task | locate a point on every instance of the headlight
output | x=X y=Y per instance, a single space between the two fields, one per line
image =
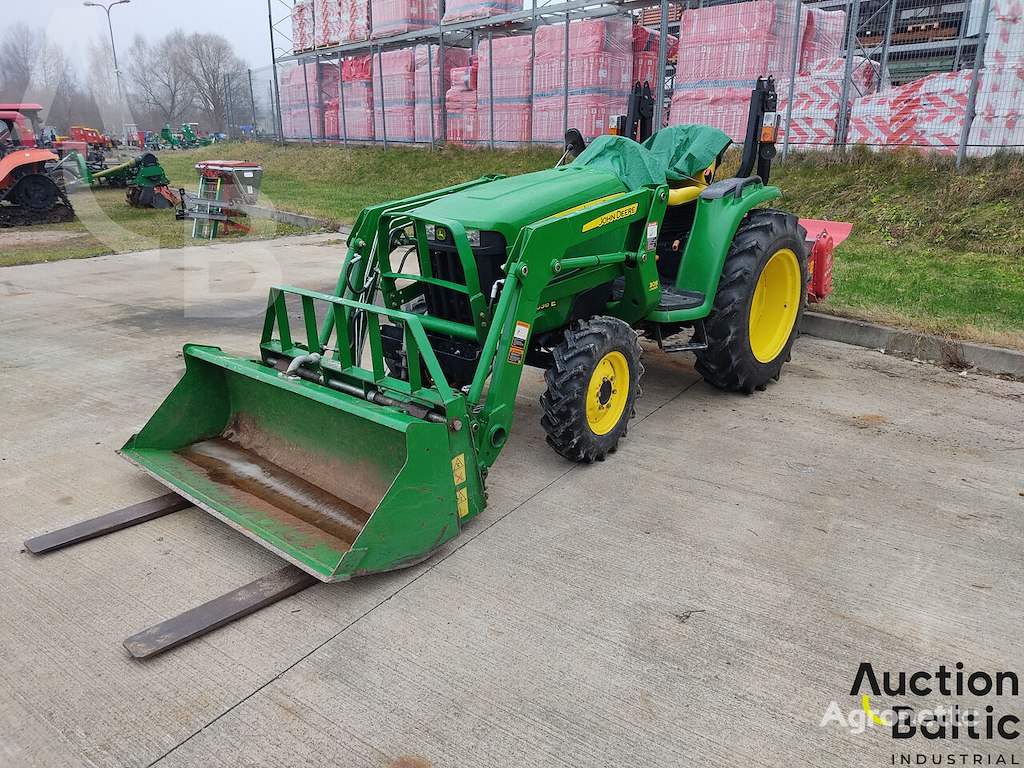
x=430 y=232
x=474 y=237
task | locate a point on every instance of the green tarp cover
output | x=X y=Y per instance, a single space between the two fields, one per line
x=628 y=160
x=672 y=154
x=684 y=151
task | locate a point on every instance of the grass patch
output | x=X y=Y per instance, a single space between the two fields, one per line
x=933 y=248
x=105 y=224
x=336 y=184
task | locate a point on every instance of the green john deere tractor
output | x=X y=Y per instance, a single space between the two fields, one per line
x=360 y=438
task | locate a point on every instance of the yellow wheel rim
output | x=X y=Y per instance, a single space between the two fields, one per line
x=607 y=393
x=776 y=301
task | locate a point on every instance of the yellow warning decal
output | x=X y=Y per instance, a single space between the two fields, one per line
x=517 y=349
x=462 y=496
x=459 y=469
x=610 y=218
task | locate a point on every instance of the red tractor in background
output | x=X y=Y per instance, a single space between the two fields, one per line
x=28 y=194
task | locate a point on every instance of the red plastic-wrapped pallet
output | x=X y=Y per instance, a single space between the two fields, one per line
x=509 y=74
x=353 y=21
x=396 y=17
x=332 y=120
x=1000 y=109
x=395 y=114
x=463 y=10
x=592 y=115
x=600 y=60
x=823 y=38
x=326 y=22
x=724 y=107
x=302 y=25
x=428 y=86
x=645 y=54
x=1005 y=44
x=817 y=97
x=462 y=115
x=303 y=123
x=357 y=99
x=740 y=41
x=926 y=113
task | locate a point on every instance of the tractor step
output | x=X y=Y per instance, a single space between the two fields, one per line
x=108 y=523
x=672 y=298
x=222 y=610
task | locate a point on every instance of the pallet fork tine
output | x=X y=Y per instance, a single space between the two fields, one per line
x=108 y=523
x=193 y=623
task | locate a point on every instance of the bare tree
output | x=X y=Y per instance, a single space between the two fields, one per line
x=160 y=81
x=36 y=70
x=102 y=81
x=208 y=60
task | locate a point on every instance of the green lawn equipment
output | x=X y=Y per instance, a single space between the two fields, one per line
x=360 y=438
x=143 y=178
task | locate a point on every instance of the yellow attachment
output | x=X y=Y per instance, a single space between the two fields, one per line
x=690 y=192
x=607 y=393
x=685 y=194
x=775 y=304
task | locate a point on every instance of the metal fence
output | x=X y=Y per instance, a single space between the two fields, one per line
x=945 y=76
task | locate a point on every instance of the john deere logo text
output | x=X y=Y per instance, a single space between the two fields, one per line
x=619 y=213
x=441 y=234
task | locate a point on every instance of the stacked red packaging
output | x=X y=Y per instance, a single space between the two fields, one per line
x=396 y=17
x=722 y=106
x=429 y=84
x=737 y=42
x=307 y=84
x=356 y=103
x=326 y=23
x=722 y=51
x=353 y=21
x=999 y=121
x=463 y=10
x=509 y=72
x=645 y=54
x=302 y=25
x=817 y=97
x=600 y=76
x=823 y=37
x=460 y=102
x=395 y=114
x=1005 y=44
x=927 y=113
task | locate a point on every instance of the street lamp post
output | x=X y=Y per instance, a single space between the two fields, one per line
x=117 y=71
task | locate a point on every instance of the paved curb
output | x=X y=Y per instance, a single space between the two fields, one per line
x=287 y=217
x=984 y=357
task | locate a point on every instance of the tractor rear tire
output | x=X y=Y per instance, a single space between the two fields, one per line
x=592 y=388
x=760 y=300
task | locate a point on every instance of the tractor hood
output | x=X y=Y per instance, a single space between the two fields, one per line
x=507 y=205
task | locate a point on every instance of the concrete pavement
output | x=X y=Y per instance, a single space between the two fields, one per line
x=698 y=599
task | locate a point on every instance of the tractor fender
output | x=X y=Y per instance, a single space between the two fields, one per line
x=20 y=158
x=714 y=227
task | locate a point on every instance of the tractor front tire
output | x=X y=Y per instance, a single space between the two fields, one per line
x=760 y=300
x=592 y=388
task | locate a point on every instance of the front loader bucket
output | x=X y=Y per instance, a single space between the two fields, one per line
x=332 y=483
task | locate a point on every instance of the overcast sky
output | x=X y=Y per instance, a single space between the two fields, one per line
x=243 y=22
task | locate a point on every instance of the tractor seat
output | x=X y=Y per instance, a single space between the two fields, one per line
x=672 y=298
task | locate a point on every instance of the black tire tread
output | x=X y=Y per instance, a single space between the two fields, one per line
x=564 y=402
x=728 y=363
